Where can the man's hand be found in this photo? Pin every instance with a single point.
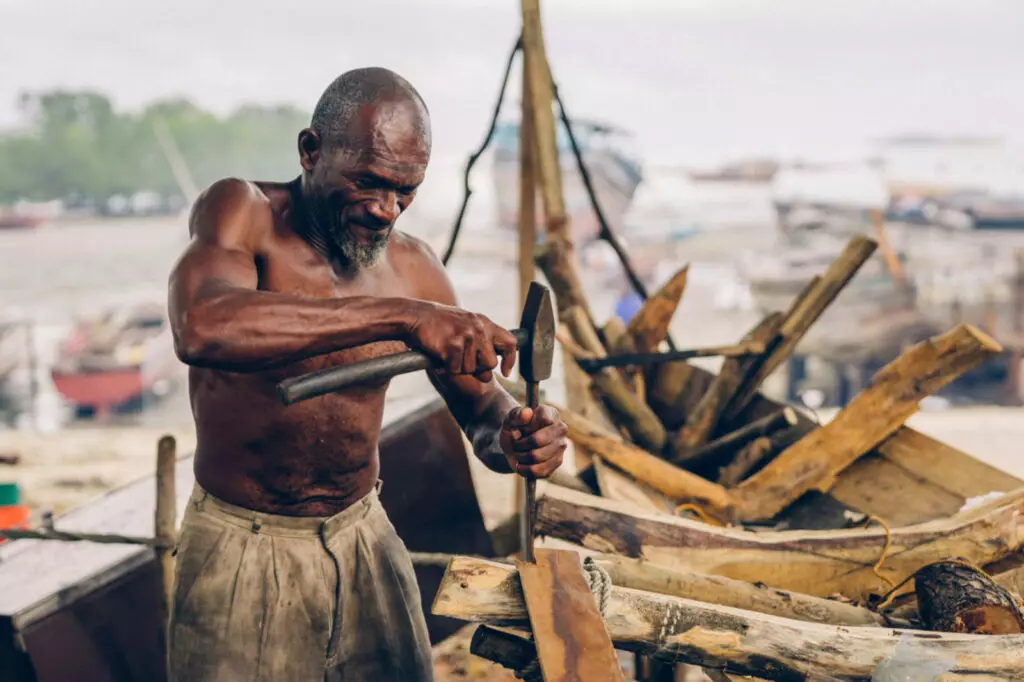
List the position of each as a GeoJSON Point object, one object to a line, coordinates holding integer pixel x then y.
{"type": "Point", "coordinates": [464, 342]}
{"type": "Point", "coordinates": [533, 441]}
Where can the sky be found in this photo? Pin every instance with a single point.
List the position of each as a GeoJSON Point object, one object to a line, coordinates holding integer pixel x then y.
{"type": "Point", "coordinates": [698, 81]}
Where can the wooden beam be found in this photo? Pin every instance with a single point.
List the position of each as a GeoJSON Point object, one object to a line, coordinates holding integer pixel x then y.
{"type": "Point", "coordinates": [872, 416]}
{"type": "Point", "coordinates": [744, 642]}
{"type": "Point", "coordinates": [677, 484]}
{"type": "Point", "coordinates": [527, 192]}
{"type": "Point", "coordinates": [649, 327]}
{"type": "Point", "coordinates": [568, 630]}
{"type": "Point", "coordinates": [702, 421]}
{"type": "Point", "coordinates": [818, 563]}
{"type": "Point", "coordinates": [806, 309]}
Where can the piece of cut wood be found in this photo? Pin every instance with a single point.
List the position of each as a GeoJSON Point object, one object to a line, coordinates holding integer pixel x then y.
{"type": "Point", "coordinates": [818, 563]}
{"type": "Point", "coordinates": [669, 389]}
{"type": "Point", "coordinates": [568, 630]}
{"type": "Point", "coordinates": [616, 485]}
{"type": "Point", "coordinates": [804, 312]}
{"type": "Point", "coordinates": [758, 452]}
{"type": "Point", "coordinates": [677, 484]}
{"type": "Point", "coordinates": [744, 642]}
{"type": "Point", "coordinates": [873, 415]}
{"type": "Point", "coordinates": [954, 597]}
{"type": "Point", "coordinates": [720, 448]}
{"type": "Point", "coordinates": [618, 341]}
{"type": "Point", "coordinates": [649, 327]}
{"type": "Point", "coordinates": [643, 575]}
{"type": "Point", "coordinates": [702, 421]}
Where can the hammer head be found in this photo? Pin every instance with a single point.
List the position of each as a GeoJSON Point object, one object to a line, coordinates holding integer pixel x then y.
{"type": "Point", "coordinates": [537, 354]}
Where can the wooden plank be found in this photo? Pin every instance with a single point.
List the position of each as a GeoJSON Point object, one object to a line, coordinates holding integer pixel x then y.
{"type": "Point", "coordinates": [817, 562]}
{"type": "Point", "coordinates": [571, 638]}
{"type": "Point", "coordinates": [873, 415]}
{"type": "Point", "coordinates": [750, 643]}
{"type": "Point", "coordinates": [649, 327]}
{"type": "Point", "coordinates": [892, 493]}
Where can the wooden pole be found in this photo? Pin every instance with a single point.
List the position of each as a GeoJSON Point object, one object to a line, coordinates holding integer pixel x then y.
{"type": "Point", "coordinates": [164, 529]}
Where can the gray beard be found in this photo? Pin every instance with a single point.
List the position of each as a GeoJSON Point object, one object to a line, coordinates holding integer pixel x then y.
{"type": "Point", "coordinates": [358, 255]}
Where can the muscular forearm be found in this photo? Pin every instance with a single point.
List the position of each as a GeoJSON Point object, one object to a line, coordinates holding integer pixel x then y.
{"type": "Point", "coordinates": [481, 421]}
{"type": "Point", "coordinates": [247, 331]}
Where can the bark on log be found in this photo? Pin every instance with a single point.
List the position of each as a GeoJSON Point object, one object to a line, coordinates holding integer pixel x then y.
{"type": "Point", "coordinates": [872, 416]}
{"type": "Point", "coordinates": [745, 642]}
{"type": "Point", "coordinates": [649, 327]}
{"type": "Point", "coordinates": [677, 484]}
{"type": "Point", "coordinates": [953, 597]}
{"type": "Point", "coordinates": [807, 308]}
{"type": "Point", "coordinates": [731, 442]}
{"type": "Point", "coordinates": [704, 419]}
{"type": "Point", "coordinates": [643, 575]}
{"type": "Point", "coordinates": [818, 563]}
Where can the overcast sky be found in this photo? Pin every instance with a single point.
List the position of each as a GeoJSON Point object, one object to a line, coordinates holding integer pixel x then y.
{"type": "Point", "coordinates": [696, 80]}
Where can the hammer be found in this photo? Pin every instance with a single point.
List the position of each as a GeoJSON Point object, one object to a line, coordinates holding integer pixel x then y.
{"type": "Point", "coordinates": [535, 338]}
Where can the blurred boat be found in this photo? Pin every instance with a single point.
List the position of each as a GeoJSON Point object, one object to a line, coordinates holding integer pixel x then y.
{"type": "Point", "coordinates": [613, 165]}
{"type": "Point", "coordinates": [11, 220]}
{"type": "Point", "coordinates": [119, 357]}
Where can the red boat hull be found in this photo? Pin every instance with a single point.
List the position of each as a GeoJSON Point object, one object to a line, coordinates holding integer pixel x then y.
{"type": "Point", "coordinates": [100, 390]}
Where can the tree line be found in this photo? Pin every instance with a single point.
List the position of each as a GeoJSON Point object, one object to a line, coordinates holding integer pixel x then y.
{"type": "Point", "coordinates": [76, 147]}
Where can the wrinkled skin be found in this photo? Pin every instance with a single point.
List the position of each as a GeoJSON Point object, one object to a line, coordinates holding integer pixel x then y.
{"type": "Point", "coordinates": [282, 279]}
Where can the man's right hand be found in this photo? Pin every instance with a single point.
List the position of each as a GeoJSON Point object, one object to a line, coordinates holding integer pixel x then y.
{"type": "Point", "coordinates": [463, 342]}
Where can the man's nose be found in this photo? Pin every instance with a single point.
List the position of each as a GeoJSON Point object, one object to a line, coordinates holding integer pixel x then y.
{"type": "Point", "coordinates": [385, 208]}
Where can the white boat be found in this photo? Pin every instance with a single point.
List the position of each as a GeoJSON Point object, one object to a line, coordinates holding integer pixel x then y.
{"type": "Point", "coordinates": [614, 168]}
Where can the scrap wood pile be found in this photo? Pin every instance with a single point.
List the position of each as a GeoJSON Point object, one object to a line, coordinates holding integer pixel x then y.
{"type": "Point", "coordinates": [726, 530]}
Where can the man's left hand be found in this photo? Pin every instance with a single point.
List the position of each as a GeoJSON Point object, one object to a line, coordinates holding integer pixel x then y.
{"type": "Point", "coordinates": [533, 441]}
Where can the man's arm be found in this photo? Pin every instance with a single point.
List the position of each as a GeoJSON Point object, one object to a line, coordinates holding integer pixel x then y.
{"type": "Point", "coordinates": [505, 436]}
{"type": "Point", "coordinates": [220, 319]}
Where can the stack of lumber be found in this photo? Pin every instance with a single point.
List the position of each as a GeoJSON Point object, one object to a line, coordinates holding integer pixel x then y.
{"type": "Point", "coordinates": [741, 536]}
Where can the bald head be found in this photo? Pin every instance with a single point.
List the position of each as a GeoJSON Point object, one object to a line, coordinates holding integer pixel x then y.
{"type": "Point", "coordinates": [345, 115]}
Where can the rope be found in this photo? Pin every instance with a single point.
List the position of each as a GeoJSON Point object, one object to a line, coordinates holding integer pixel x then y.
{"type": "Point", "coordinates": [599, 582]}
{"type": "Point", "coordinates": [885, 549]}
{"type": "Point", "coordinates": [700, 513]}
{"type": "Point", "coordinates": [467, 191]}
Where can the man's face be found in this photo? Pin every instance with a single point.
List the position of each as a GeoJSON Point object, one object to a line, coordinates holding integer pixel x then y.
{"type": "Point", "coordinates": [358, 190]}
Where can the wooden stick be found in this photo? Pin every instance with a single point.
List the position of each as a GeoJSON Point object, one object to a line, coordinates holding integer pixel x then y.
{"type": "Point", "coordinates": [670, 391]}
{"type": "Point", "coordinates": [703, 420]}
{"type": "Point", "coordinates": [806, 310]}
{"type": "Point", "coordinates": [568, 630]}
{"type": "Point", "coordinates": [649, 327]}
{"type": "Point", "coordinates": [527, 192]}
{"type": "Point", "coordinates": [876, 413]}
{"type": "Point", "coordinates": [758, 451]}
{"type": "Point", "coordinates": [677, 484]}
{"type": "Point", "coordinates": [731, 442]}
{"type": "Point", "coordinates": [164, 524]}
{"type": "Point", "coordinates": [643, 575]}
{"type": "Point", "coordinates": [818, 563]}
{"type": "Point", "coordinates": [746, 642]}
{"type": "Point", "coordinates": [617, 341]}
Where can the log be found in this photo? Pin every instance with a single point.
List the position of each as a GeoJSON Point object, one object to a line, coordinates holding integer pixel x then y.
{"type": "Point", "coordinates": [745, 642]}
{"type": "Point", "coordinates": [527, 192]}
{"type": "Point", "coordinates": [649, 327]}
{"type": "Point", "coordinates": [616, 485]}
{"type": "Point", "coordinates": [568, 630]}
{"type": "Point", "coordinates": [804, 312]}
{"type": "Point", "coordinates": [642, 575]}
{"type": "Point", "coordinates": [507, 649]}
{"type": "Point", "coordinates": [670, 389]}
{"type": "Point", "coordinates": [757, 452]}
{"type": "Point", "coordinates": [873, 415]}
{"type": "Point", "coordinates": [701, 423]}
{"type": "Point", "coordinates": [629, 410]}
{"type": "Point", "coordinates": [677, 484]}
{"type": "Point", "coordinates": [818, 563]}
{"type": "Point", "coordinates": [954, 597]}
{"type": "Point", "coordinates": [731, 442]}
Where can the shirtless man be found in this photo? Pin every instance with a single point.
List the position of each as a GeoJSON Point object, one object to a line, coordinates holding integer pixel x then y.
{"type": "Point", "coordinates": [287, 567]}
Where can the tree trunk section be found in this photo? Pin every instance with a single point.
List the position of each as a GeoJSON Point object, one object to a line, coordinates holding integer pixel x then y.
{"type": "Point", "coordinates": [953, 597]}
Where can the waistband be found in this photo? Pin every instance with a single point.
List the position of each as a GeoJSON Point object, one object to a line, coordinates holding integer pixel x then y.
{"type": "Point", "coordinates": [278, 524]}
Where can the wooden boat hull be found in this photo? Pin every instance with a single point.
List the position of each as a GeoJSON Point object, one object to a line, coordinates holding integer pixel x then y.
{"type": "Point", "coordinates": [85, 612]}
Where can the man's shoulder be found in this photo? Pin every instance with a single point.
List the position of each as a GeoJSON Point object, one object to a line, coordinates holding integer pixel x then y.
{"type": "Point", "coordinates": [417, 263]}
{"type": "Point", "coordinates": [233, 209]}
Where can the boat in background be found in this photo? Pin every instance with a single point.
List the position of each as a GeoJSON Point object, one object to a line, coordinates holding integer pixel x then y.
{"type": "Point", "coordinates": [113, 360]}
{"type": "Point", "coordinates": [13, 220]}
{"type": "Point", "coordinates": [613, 165]}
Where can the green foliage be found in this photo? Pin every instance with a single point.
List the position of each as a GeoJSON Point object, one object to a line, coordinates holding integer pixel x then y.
{"type": "Point", "coordinates": [75, 145]}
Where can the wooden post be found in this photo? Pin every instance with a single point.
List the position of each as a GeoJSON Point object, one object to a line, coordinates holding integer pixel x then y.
{"type": "Point", "coordinates": [164, 525]}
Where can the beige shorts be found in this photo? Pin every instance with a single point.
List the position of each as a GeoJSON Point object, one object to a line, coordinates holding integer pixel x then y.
{"type": "Point", "coordinates": [268, 598]}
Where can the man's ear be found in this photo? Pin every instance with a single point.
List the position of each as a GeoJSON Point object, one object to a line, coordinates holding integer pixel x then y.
{"type": "Point", "coordinates": [309, 148]}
